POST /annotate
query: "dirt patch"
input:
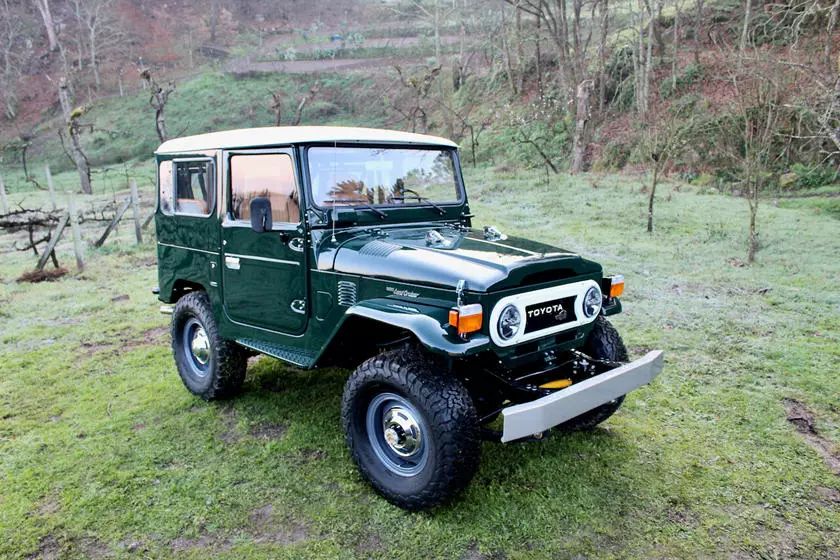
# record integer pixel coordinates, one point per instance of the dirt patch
(122, 297)
(803, 420)
(46, 275)
(49, 505)
(186, 544)
(371, 542)
(94, 548)
(268, 431)
(683, 517)
(126, 341)
(267, 530)
(230, 434)
(48, 549)
(826, 494)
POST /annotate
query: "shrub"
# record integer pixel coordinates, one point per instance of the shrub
(614, 157)
(685, 79)
(813, 176)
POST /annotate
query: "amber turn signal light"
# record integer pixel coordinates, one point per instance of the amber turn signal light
(616, 286)
(466, 318)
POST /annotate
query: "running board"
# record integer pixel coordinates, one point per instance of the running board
(285, 353)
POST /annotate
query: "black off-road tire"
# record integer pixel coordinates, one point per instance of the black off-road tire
(224, 371)
(448, 420)
(603, 343)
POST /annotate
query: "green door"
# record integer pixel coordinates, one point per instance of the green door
(264, 274)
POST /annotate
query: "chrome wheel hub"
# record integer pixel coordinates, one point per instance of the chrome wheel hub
(197, 347)
(200, 346)
(395, 431)
(401, 431)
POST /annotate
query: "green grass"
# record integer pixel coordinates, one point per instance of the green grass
(102, 450)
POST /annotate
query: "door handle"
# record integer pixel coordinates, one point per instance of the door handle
(232, 263)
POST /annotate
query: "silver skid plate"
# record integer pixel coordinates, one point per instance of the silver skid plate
(523, 420)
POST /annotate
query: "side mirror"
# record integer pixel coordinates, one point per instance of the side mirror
(261, 214)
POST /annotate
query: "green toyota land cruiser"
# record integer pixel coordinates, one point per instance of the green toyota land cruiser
(354, 247)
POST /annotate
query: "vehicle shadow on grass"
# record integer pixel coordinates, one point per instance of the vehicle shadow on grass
(600, 473)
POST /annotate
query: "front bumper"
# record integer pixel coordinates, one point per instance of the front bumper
(526, 419)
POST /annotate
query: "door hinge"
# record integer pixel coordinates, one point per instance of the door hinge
(296, 244)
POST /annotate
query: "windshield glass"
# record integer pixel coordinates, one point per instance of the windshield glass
(357, 176)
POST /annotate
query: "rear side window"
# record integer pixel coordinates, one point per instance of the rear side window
(194, 188)
(165, 187)
(270, 176)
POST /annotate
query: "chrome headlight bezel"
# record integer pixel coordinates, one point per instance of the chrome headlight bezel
(509, 317)
(592, 301)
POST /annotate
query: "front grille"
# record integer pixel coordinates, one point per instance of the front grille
(547, 314)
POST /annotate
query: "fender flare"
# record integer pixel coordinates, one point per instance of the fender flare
(425, 322)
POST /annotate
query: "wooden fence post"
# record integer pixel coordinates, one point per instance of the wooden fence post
(114, 222)
(3, 196)
(50, 185)
(135, 203)
(56, 235)
(77, 234)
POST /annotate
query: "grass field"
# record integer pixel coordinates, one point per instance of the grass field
(104, 453)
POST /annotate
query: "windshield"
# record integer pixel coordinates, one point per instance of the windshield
(381, 176)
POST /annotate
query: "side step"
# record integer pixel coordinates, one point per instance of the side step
(285, 353)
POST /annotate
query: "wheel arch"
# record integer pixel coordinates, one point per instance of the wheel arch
(372, 326)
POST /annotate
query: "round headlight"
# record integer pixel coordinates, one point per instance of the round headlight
(509, 322)
(592, 302)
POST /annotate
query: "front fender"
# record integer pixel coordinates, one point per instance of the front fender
(426, 322)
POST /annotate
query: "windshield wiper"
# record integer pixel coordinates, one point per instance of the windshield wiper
(359, 202)
(425, 200)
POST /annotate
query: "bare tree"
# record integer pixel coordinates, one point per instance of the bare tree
(158, 97)
(277, 106)
(74, 129)
(751, 132)
(662, 141)
(313, 91)
(434, 13)
(98, 31)
(571, 35)
(583, 115)
(831, 25)
(698, 28)
(11, 62)
(46, 15)
(418, 87)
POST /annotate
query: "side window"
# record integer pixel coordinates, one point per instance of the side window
(165, 187)
(270, 176)
(194, 187)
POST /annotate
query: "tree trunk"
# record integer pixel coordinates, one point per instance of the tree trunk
(676, 47)
(160, 123)
(602, 57)
(652, 193)
(213, 18)
(648, 62)
(829, 36)
(437, 29)
(745, 32)
(520, 49)
(79, 157)
(46, 15)
(539, 57)
(584, 91)
(698, 29)
(753, 234)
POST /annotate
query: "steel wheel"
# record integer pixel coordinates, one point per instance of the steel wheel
(197, 347)
(395, 430)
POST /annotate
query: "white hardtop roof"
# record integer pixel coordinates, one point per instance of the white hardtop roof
(285, 135)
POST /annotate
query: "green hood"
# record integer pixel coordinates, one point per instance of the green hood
(415, 255)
